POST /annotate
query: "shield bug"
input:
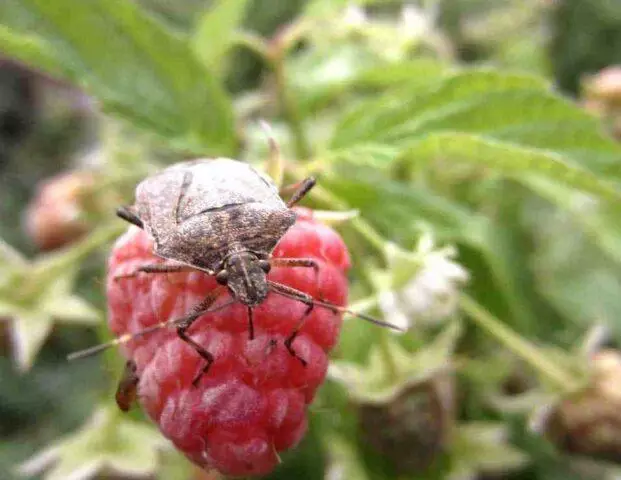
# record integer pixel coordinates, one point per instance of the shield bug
(224, 218)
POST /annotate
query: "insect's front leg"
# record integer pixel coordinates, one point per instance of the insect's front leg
(186, 322)
(128, 214)
(296, 262)
(156, 268)
(127, 389)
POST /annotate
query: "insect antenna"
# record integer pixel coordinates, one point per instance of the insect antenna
(132, 336)
(294, 294)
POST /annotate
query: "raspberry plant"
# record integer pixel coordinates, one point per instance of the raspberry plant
(480, 207)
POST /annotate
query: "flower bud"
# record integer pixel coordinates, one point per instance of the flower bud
(605, 86)
(55, 217)
(431, 293)
(589, 422)
(413, 429)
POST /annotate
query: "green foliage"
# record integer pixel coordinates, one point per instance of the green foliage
(586, 37)
(106, 444)
(215, 31)
(137, 68)
(495, 162)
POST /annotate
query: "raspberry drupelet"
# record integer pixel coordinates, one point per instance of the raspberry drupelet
(252, 402)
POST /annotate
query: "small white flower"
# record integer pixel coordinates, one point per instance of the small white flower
(432, 294)
(390, 305)
(416, 22)
(354, 16)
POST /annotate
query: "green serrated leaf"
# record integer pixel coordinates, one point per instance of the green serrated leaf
(374, 119)
(585, 289)
(580, 139)
(10, 257)
(107, 444)
(600, 221)
(401, 211)
(344, 459)
(482, 447)
(29, 330)
(382, 379)
(503, 249)
(132, 64)
(509, 159)
(215, 30)
(519, 111)
(369, 154)
(419, 72)
(31, 50)
(489, 112)
(73, 309)
(41, 295)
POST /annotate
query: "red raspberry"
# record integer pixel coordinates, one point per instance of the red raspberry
(252, 402)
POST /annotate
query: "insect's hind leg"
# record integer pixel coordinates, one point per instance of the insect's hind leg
(129, 216)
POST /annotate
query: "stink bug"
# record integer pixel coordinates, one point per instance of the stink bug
(224, 218)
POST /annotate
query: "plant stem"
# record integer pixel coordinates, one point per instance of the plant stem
(290, 110)
(254, 43)
(276, 60)
(361, 225)
(383, 343)
(59, 262)
(528, 352)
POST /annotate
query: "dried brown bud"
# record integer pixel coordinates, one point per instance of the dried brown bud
(589, 423)
(413, 429)
(55, 216)
(605, 86)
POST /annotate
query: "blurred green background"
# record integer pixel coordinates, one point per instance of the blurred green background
(486, 125)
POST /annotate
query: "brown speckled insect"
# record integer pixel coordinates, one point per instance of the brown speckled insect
(224, 218)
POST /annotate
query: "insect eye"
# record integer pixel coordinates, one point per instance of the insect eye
(222, 277)
(265, 265)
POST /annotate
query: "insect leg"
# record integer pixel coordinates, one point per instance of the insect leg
(301, 190)
(310, 305)
(289, 292)
(156, 268)
(294, 262)
(123, 339)
(250, 324)
(184, 323)
(128, 215)
(128, 385)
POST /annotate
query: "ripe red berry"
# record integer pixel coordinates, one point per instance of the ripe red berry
(252, 402)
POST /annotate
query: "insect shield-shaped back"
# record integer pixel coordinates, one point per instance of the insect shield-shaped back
(201, 212)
